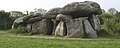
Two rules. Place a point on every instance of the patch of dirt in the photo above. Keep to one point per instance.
(53, 37)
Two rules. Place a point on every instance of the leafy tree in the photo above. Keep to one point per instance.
(105, 16)
(40, 10)
(16, 14)
(5, 20)
(111, 23)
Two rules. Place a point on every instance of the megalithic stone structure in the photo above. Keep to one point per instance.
(76, 19)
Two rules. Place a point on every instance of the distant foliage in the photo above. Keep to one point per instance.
(111, 23)
(39, 11)
(5, 20)
(16, 14)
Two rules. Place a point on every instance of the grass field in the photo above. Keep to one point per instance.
(8, 40)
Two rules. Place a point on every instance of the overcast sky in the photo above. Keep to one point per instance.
(24, 5)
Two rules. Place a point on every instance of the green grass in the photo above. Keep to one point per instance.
(8, 40)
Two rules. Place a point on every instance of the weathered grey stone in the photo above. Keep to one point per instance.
(49, 16)
(17, 22)
(112, 11)
(55, 25)
(78, 9)
(64, 18)
(89, 31)
(75, 28)
(28, 27)
(34, 19)
(60, 29)
(54, 11)
(44, 26)
(37, 14)
(95, 22)
(21, 21)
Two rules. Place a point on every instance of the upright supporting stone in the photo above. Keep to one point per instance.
(55, 25)
(60, 29)
(89, 31)
(28, 27)
(75, 28)
(95, 22)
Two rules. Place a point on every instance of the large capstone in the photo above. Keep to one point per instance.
(75, 28)
(78, 9)
(34, 19)
(18, 22)
(46, 16)
(26, 20)
(54, 11)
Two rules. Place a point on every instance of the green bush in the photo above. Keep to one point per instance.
(105, 16)
(12, 31)
(103, 33)
(111, 24)
(19, 31)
